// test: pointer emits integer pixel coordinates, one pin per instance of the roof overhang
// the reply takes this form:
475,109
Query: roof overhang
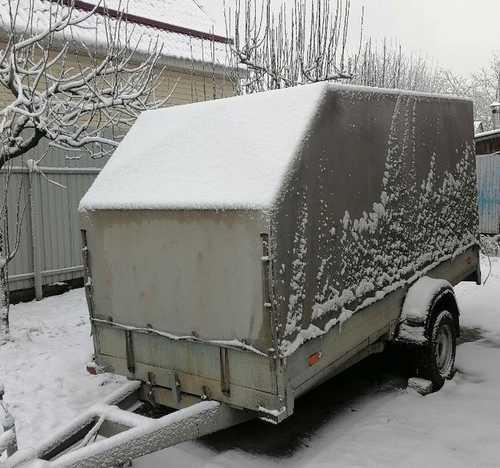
487,135
143,21
169,60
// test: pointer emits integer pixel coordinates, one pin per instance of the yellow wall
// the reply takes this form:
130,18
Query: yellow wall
186,86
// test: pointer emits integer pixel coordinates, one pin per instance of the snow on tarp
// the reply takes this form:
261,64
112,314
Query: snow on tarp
230,153
383,205
368,189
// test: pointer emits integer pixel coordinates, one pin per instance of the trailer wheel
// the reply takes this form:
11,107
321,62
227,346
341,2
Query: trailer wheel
436,359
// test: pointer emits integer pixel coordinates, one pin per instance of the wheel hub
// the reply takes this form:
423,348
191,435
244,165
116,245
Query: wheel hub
444,349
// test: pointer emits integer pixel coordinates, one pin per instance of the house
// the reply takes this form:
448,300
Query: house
193,56
487,142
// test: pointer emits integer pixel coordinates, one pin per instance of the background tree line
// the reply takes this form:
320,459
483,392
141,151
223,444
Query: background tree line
301,41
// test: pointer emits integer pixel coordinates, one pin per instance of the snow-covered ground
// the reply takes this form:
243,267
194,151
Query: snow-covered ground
364,418
43,368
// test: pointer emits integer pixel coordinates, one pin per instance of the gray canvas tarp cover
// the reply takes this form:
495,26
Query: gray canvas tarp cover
365,189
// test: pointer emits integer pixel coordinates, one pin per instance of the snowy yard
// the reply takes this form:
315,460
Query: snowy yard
365,417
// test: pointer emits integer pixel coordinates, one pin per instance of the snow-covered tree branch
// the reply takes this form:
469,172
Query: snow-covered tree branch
75,79
315,41
65,89
485,89
302,43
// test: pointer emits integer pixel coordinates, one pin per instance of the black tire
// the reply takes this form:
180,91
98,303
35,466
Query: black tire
436,359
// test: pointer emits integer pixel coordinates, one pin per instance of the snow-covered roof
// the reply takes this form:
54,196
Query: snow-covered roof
487,133
182,13
186,13
230,153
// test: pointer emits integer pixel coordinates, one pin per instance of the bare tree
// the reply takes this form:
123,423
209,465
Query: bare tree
77,79
304,43
388,65
485,89
314,41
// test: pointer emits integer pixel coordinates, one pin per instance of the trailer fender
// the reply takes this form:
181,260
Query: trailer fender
422,298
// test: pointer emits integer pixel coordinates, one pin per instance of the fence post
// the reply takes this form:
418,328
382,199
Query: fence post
34,181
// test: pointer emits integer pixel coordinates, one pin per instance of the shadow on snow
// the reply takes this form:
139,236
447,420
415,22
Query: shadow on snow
379,374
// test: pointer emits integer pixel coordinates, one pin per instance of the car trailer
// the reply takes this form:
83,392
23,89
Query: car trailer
234,264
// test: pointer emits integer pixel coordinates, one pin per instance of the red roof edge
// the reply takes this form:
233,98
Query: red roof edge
85,6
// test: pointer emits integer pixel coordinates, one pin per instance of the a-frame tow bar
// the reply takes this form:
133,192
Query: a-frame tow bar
112,434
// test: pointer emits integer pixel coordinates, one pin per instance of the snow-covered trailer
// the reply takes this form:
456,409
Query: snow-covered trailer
244,250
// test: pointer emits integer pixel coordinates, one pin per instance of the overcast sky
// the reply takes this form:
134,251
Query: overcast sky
457,34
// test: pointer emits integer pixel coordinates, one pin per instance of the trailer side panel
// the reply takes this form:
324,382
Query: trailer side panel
383,191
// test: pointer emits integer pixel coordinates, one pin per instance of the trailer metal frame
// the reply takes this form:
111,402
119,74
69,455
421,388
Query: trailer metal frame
122,434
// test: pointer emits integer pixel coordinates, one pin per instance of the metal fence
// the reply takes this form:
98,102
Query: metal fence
49,249
488,177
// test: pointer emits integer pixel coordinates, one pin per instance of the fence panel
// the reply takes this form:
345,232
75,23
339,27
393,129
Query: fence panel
488,176
49,250
21,268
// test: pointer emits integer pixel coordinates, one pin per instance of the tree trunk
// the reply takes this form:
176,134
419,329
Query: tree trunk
4,301
4,277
